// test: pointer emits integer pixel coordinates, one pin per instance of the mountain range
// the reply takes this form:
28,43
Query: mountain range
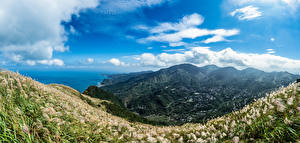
187,93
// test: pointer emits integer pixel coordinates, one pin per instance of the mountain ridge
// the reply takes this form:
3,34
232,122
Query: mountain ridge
195,90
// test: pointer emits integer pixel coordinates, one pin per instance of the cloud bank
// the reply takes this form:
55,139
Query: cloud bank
117,62
288,5
247,13
120,6
31,30
186,28
202,56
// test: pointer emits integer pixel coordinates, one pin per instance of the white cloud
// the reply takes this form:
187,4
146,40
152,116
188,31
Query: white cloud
56,62
293,4
172,58
287,5
243,2
119,6
174,33
193,33
177,44
117,62
272,39
174,50
90,60
30,30
271,51
150,60
73,30
205,56
141,27
37,51
61,48
213,39
31,63
220,34
186,22
247,13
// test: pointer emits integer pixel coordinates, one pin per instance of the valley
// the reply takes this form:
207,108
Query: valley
187,93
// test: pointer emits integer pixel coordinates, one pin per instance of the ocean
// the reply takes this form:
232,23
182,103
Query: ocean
79,80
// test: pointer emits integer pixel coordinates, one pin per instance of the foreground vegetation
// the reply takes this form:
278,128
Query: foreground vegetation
34,112
114,106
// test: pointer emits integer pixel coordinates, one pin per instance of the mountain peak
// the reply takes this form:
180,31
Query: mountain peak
183,66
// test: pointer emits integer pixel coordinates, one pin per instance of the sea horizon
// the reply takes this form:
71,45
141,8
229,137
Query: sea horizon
79,80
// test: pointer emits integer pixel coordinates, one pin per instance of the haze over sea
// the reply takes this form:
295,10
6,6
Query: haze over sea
79,80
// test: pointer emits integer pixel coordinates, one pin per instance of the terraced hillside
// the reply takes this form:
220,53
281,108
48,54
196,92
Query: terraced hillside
34,112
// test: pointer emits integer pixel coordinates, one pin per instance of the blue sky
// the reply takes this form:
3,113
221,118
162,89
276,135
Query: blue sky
135,35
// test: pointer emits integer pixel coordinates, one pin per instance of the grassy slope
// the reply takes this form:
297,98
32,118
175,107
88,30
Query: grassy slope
114,106
34,112
95,92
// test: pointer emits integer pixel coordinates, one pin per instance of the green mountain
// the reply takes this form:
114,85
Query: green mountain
34,112
94,91
186,93
115,106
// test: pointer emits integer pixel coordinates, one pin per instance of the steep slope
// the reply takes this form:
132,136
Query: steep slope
115,106
186,93
94,91
34,112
